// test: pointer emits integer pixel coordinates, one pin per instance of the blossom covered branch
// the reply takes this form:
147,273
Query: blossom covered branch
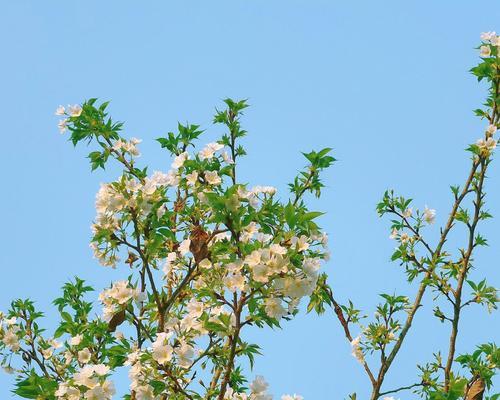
205,256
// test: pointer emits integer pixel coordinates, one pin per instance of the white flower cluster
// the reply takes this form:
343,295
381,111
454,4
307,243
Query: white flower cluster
88,383
488,143
490,38
269,264
117,296
259,388
175,346
258,391
428,215
129,147
9,332
114,199
141,371
282,268
71,111
357,351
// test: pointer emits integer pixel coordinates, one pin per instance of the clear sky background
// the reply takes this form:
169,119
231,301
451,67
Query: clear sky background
384,83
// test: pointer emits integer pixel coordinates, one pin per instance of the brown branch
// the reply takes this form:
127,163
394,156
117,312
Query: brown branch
233,343
402,388
347,332
462,276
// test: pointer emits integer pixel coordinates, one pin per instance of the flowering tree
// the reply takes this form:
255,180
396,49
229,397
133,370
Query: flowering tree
436,268
205,256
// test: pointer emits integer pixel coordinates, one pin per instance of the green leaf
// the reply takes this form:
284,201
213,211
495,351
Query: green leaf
290,215
36,387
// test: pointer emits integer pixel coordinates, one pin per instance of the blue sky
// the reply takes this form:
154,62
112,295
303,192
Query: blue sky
384,83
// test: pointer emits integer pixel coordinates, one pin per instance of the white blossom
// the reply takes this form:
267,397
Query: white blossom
356,349
259,385
62,125
300,243
184,247
60,110
162,353
429,215
84,356
484,51
192,178
209,150
487,36
488,144
179,160
491,129
75,110
274,309
11,340
394,234
212,178
76,340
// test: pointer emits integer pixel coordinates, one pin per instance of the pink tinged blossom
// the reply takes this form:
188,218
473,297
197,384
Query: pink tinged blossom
62,125
487,36
209,151
227,158
259,385
60,110
484,51
179,160
487,144
75,110
429,215
491,130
